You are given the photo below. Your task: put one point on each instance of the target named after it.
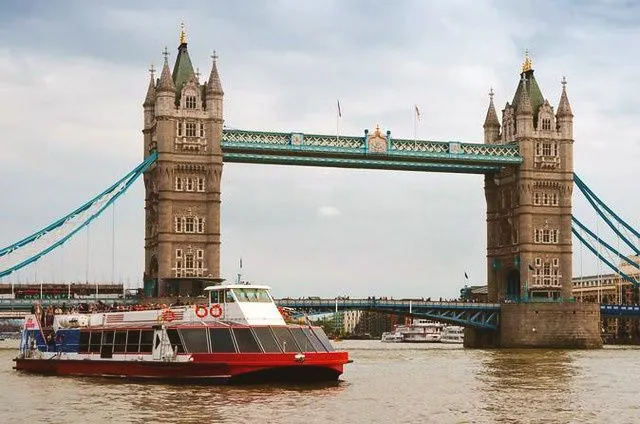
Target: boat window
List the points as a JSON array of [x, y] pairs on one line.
[[195, 340], [120, 341], [215, 296], [302, 340], [319, 332], [174, 339], [107, 337], [229, 297], [133, 340], [246, 341], [96, 340], [267, 340], [146, 341], [84, 341], [252, 295], [285, 339], [221, 341], [313, 339]]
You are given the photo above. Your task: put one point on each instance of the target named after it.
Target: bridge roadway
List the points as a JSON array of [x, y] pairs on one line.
[[468, 314]]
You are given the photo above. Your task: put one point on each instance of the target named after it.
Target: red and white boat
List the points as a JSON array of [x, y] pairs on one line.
[[239, 336]]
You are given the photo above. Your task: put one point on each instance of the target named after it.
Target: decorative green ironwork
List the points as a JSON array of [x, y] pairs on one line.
[[356, 152]]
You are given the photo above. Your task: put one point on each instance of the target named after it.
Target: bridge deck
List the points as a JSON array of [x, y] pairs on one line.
[[355, 152]]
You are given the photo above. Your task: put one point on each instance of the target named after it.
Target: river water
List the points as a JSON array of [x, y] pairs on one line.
[[387, 383]]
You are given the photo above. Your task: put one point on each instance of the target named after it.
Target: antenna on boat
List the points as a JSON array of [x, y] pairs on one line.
[[240, 272]]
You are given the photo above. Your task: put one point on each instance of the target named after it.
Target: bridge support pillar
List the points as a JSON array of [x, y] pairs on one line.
[[566, 325]]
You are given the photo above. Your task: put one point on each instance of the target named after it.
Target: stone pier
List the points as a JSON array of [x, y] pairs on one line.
[[565, 325]]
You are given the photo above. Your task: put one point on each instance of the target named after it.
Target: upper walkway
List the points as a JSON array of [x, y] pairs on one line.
[[369, 151]]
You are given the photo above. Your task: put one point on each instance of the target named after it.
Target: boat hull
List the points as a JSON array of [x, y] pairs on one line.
[[211, 368]]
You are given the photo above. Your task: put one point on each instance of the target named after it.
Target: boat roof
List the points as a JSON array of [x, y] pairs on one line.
[[238, 286]]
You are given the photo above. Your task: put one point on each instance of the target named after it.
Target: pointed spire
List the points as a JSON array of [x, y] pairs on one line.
[[166, 82], [213, 85], [491, 121], [564, 109], [523, 106], [150, 99]]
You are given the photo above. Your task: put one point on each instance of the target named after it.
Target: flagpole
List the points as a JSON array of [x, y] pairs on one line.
[[338, 116], [415, 127]]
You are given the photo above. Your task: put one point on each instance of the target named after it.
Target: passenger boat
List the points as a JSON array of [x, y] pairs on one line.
[[238, 336], [419, 331], [452, 334], [392, 337]]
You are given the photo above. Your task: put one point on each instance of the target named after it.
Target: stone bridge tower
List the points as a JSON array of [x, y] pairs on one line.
[[529, 228], [183, 122], [529, 207]]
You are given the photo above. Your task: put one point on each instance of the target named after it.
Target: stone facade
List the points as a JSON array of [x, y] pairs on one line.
[[183, 122], [529, 252]]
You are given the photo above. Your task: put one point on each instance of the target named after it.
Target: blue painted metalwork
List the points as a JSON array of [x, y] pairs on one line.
[[604, 243], [620, 311], [476, 315], [354, 152], [593, 199], [603, 259], [119, 188]]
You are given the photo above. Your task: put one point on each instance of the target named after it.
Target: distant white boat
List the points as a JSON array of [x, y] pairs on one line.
[[452, 334], [392, 337], [419, 331]]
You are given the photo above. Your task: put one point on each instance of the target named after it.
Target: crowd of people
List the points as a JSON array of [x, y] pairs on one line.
[[47, 314]]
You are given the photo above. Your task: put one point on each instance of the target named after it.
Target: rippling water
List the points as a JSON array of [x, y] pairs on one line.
[[387, 383]]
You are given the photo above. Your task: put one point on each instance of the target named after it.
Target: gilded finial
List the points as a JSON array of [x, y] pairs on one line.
[[183, 34], [526, 65]]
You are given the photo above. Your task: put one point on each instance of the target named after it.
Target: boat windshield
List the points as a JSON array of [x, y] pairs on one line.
[[252, 295]]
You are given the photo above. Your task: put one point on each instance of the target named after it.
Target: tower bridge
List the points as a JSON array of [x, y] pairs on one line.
[[526, 159]]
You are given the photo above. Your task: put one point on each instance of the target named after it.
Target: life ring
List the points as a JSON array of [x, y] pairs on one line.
[[201, 311], [216, 310]]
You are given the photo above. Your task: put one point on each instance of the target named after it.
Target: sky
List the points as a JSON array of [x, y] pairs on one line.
[[73, 76]]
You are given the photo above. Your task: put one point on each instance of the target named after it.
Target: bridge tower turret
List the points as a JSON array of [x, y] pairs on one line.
[[529, 253], [491, 123], [182, 203]]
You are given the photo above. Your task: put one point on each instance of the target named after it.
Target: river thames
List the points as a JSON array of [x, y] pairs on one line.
[[387, 383]]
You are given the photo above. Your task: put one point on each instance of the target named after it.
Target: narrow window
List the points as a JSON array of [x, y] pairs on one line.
[[200, 226], [190, 102], [189, 184], [191, 129], [179, 184], [202, 129], [178, 222], [188, 227], [201, 184], [179, 128]]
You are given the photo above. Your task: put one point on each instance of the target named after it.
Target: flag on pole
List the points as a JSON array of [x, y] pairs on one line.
[[339, 110], [466, 276], [240, 262], [417, 112]]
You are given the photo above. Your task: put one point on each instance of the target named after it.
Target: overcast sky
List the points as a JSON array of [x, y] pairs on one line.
[[73, 76]]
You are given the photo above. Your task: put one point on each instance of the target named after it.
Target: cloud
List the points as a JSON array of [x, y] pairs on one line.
[[328, 211]]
